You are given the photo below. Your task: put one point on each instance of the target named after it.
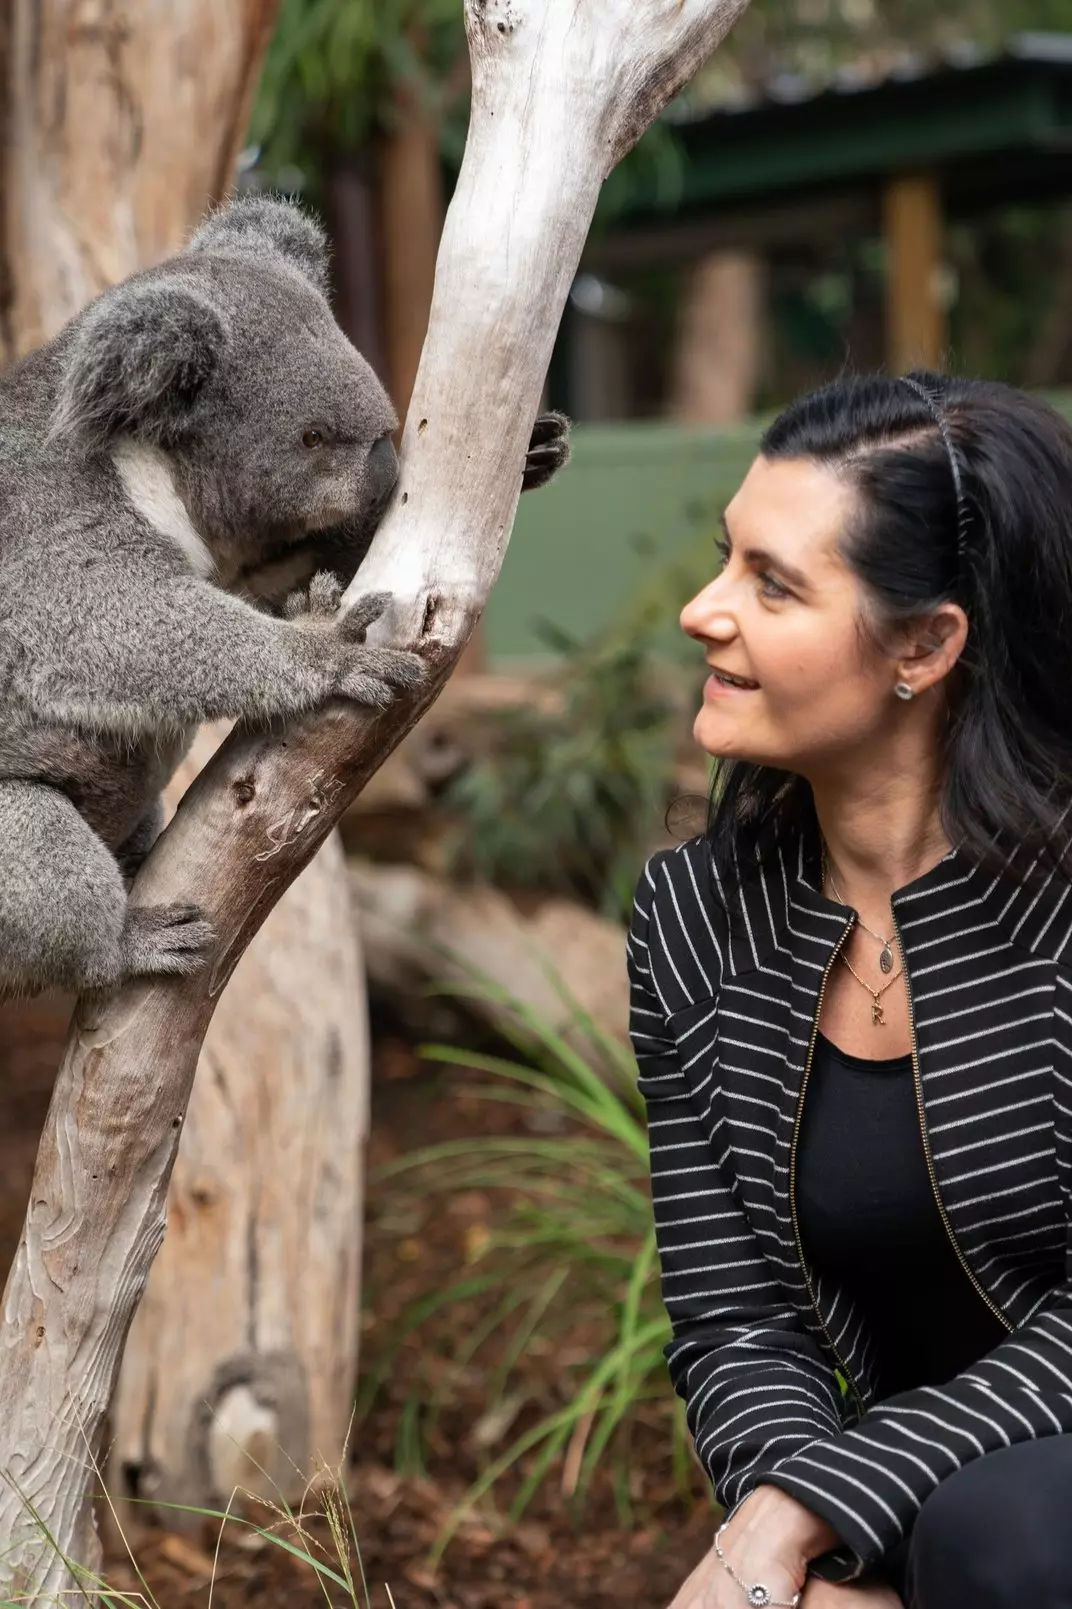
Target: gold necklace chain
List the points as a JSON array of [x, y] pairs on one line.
[[885, 959], [878, 1017]]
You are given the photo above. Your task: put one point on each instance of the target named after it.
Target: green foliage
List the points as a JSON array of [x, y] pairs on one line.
[[576, 1249], [566, 800], [328, 79]]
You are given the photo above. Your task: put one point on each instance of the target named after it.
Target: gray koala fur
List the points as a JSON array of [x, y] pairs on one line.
[[196, 443]]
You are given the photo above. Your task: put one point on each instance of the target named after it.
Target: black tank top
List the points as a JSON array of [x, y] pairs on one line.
[[869, 1221]]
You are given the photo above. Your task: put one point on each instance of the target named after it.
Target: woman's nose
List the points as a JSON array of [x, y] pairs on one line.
[[705, 616]]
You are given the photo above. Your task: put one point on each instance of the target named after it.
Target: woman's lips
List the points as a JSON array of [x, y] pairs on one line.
[[713, 688]]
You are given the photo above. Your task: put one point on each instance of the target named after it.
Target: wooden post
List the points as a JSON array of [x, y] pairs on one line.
[[560, 93], [719, 349], [915, 316]]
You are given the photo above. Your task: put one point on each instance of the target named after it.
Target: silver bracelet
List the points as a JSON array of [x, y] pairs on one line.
[[758, 1595]]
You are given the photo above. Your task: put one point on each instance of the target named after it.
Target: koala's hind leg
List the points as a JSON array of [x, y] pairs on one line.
[[64, 918]]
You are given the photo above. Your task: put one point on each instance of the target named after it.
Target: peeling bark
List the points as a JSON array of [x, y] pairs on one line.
[[124, 118]]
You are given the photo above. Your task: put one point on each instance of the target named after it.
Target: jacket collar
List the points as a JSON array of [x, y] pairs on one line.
[[784, 908]]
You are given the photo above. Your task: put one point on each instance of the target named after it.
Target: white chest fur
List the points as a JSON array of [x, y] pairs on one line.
[[148, 482]]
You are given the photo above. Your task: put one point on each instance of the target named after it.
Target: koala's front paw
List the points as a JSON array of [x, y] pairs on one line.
[[372, 676], [375, 676], [549, 450], [165, 940], [320, 605]]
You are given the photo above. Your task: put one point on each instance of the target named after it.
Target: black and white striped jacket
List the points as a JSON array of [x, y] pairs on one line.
[[772, 1363]]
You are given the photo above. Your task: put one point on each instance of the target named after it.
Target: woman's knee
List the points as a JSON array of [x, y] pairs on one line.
[[983, 1538]]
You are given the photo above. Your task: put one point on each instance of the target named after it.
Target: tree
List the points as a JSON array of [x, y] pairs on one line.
[[525, 198]]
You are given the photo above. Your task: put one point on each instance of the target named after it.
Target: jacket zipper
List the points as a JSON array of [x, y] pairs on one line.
[[838, 1359], [918, 1082]]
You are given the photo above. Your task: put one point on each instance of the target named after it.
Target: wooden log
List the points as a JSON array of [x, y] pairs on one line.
[[552, 957], [560, 93]]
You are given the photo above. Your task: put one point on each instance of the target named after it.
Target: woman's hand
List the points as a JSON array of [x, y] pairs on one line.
[[770, 1539], [824, 1595]]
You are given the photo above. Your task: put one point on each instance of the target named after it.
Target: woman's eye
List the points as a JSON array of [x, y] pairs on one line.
[[769, 588], [312, 438]]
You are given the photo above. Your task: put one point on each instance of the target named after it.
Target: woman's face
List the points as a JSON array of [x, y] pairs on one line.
[[784, 615]]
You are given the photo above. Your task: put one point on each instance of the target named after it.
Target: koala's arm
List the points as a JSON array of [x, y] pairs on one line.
[[185, 652]]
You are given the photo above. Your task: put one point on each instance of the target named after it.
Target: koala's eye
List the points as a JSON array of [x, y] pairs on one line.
[[313, 438]]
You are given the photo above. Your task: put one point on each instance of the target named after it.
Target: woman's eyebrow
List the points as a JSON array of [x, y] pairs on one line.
[[769, 560]]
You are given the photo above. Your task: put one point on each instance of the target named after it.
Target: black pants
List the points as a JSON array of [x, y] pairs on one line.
[[997, 1534]]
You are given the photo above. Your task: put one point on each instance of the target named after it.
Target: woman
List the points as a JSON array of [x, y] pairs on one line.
[[852, 1012]]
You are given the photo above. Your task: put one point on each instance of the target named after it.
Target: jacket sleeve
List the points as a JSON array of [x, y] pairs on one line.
[[755, 1386], [870, 1482]]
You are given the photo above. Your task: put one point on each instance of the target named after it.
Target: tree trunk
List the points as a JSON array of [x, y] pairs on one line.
[[560, 93], [240, 1365], [411, 222], [124, 119]]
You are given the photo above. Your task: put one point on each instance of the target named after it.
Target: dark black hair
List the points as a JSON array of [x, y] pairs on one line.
[[1007, 765]]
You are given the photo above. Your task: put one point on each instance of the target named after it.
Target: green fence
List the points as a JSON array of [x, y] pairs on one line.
[[634, 498]]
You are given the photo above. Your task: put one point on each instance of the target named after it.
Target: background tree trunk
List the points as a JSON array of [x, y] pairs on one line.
[[240, 1365], [125, 119]]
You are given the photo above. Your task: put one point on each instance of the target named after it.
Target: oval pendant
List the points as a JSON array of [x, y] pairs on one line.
[[885, 960]]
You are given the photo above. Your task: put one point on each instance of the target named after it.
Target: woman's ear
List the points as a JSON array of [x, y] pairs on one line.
[[932, 647]]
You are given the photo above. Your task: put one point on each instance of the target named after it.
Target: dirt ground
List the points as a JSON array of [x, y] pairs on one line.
[[544, 1562]]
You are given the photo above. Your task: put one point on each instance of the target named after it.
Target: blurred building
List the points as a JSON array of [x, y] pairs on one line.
[[921, 218]]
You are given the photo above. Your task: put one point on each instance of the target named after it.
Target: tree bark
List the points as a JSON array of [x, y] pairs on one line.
[[553, 958], [124, 119], [560, 93]]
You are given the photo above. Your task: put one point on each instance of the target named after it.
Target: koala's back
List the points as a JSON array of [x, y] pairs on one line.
[[58, 532]]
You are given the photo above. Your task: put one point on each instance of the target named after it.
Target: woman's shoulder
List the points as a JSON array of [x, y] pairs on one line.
[[679, 916]]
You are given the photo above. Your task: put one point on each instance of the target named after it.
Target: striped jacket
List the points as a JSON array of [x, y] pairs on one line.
[[773, 1363]]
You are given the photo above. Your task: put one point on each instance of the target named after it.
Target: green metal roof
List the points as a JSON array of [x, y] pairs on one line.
[[999, 128]]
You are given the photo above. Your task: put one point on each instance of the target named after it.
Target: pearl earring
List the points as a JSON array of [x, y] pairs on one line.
[[903, 690]]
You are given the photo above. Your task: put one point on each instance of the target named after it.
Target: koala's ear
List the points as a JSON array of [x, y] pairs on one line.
[[139, 360], [267, 224]]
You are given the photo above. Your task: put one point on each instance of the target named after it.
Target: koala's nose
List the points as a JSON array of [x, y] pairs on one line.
[[383, 468]]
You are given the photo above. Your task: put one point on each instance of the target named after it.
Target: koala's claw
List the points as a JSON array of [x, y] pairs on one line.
[[165, 940], [549, 450], [355, 622]]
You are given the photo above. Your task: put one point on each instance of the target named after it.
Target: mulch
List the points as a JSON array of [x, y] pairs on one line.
[[550, 1558]]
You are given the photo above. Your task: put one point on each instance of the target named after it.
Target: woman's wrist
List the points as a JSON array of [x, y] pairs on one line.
[[793, 1531]]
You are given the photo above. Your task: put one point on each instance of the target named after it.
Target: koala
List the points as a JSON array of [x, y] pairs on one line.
[[192, 447]]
